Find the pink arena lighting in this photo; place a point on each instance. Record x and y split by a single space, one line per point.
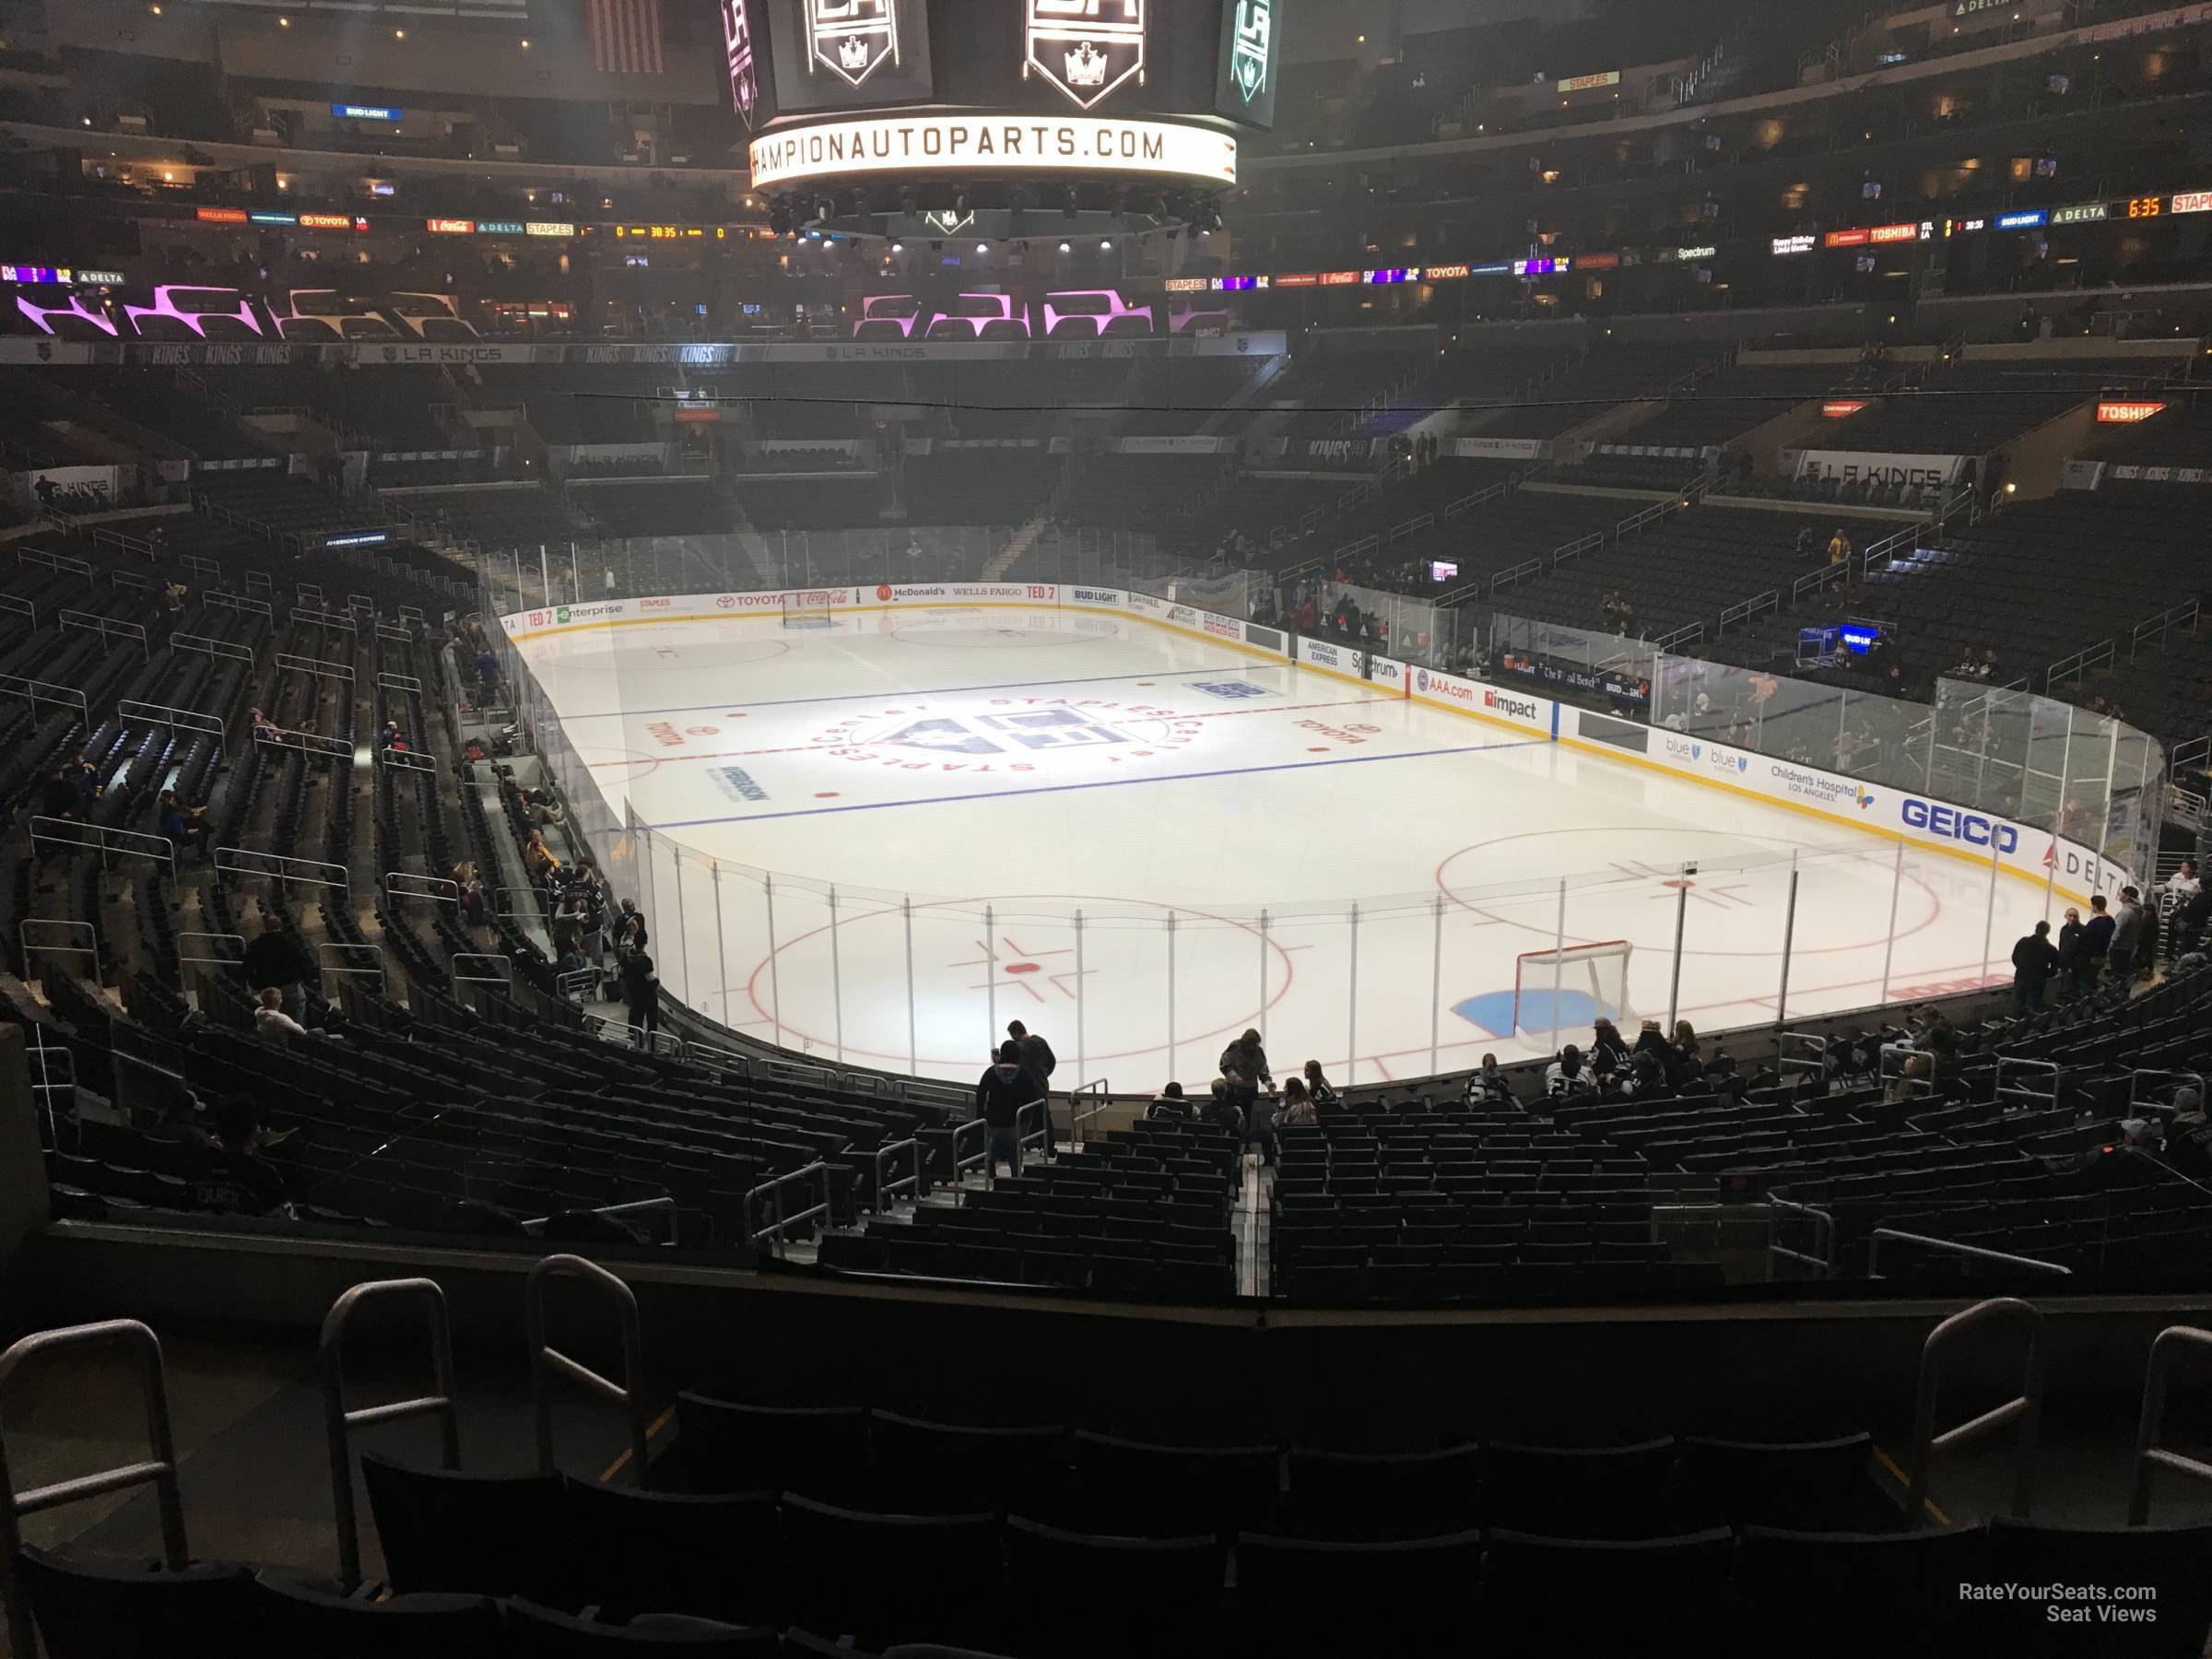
1098 316
164 305
38 313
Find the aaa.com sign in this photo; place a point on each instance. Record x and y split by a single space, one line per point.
1489 701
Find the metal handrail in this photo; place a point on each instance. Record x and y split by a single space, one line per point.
1823 1262
39 691
884 1187
1950 1247
339 1423
1043 1134
159 1469
2150 1456
69 926
2018 1064
2026 1409
547 1362
962 1165
505 964
775 1189
162 715
1076 1119
100 838
406 884
241 861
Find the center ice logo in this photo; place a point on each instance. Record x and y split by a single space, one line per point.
1009 732
1038 731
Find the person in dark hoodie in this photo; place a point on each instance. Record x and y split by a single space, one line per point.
1006 1086
1607 1041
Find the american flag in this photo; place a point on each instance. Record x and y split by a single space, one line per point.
626 36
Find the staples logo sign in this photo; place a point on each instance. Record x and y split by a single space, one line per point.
1089 49
1517 708
1955 824
646 605
851 39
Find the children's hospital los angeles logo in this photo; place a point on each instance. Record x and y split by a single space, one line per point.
851 39
1086 47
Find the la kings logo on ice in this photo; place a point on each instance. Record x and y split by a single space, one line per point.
851 39
1086 47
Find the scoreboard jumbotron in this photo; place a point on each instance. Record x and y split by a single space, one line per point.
859 105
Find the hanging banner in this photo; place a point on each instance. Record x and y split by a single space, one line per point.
1845 467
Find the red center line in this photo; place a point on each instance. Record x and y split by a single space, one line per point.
801 749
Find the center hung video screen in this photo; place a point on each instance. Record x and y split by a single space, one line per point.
1100 58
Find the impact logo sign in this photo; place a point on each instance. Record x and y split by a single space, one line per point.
1086 47
1249 51
851 39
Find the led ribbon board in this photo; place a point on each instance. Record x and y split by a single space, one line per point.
1026 144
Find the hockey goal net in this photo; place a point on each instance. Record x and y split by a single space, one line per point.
1565 989
806 608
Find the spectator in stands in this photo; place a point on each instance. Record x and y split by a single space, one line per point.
1567 1076
277 960
236 1178
1931 1034
2097 941
642 995
1488 1086
1317 1085
264 729
1244 1064
1037 1054
2189 1136
1220 1112
1838 547
1296 1111
1805 543
1648 1077
58 796
184 826
2126 959
1915 1077
1005 1087
630 927
273 1022
389 737
2179 888
1684 1060
172 599
2034 959
1169 1106
1725 1082
473 908
85 777
488 673
2190 921
538 861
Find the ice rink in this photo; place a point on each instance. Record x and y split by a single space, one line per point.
872 837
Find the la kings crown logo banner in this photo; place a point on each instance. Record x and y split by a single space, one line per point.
1248 53
1086 47
737 36
851 39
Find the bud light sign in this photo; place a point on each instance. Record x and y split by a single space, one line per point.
1956 824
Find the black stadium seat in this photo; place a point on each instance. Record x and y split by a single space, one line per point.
87 1611
297 1613
717 1556
486 1535
725 1447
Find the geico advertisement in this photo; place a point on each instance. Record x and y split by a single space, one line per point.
1958 829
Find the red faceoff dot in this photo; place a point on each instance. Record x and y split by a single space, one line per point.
1023 968
826 794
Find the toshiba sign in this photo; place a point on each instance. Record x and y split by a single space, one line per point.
2126 414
